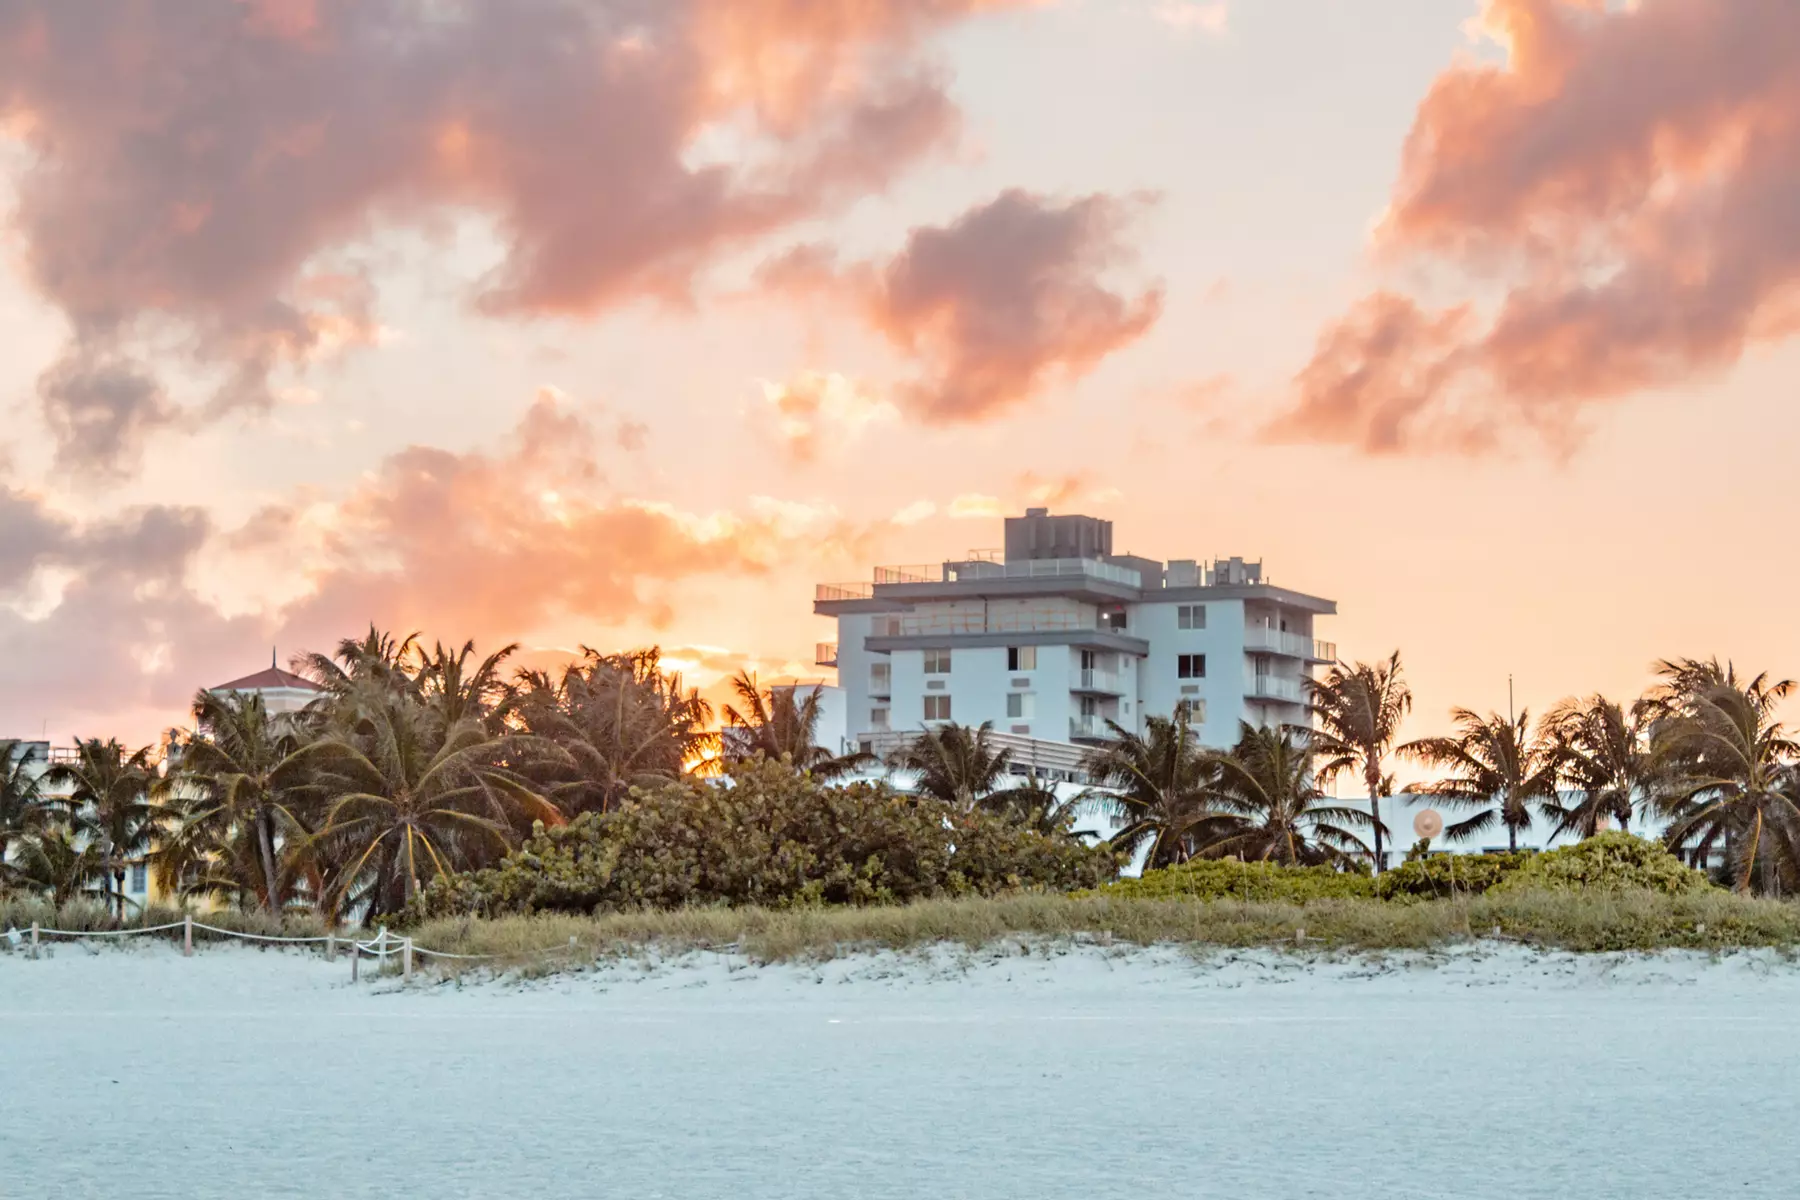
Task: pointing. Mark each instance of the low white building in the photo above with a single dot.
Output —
(1055, 636)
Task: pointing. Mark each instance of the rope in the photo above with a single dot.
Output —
(83, 933)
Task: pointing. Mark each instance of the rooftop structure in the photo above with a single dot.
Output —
(281, 691)
(1056, 638)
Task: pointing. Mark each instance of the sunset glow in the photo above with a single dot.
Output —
(594, 323)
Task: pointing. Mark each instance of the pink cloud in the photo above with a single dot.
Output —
(1627, 177)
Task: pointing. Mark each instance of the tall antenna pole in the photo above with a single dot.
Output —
(1509, 699)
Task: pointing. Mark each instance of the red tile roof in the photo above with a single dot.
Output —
(269, 677)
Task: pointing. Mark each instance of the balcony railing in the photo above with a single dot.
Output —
(1262, 639)
(1091, 728)
(1043, 568)
(1273, 687)
(825, 654)
(881, 683)
(843, 591)
(998, 620)
(1091, 680)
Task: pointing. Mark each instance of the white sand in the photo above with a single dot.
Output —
(1490, 1072)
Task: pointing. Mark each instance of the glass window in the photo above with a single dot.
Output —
(937, 662)
(878, 718)
(937, 708)
(139, 877)
(1190, 616)
(1195, 710)
(1021, 706)
(1021, 658)
(1191, 666)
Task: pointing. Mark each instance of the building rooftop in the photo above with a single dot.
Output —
(1071, 555)
(268, 679)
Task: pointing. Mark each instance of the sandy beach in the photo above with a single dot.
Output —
(1050, 1072)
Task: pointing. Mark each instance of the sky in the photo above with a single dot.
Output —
(623, 322)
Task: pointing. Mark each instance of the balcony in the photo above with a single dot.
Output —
(1090, 728)
(827, 592)
(1260, 639)
(1008, 620)
(1273, 687)
(825, 654)
(1104, 682)
(881, 683)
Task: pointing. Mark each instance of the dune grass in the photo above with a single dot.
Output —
(1556, 920)
(1577, 921)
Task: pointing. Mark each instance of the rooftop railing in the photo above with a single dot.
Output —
(825, 654)
(843, 591)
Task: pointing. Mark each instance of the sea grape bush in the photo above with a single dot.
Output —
(768, 835)
(1611, 861)
(1227, 879)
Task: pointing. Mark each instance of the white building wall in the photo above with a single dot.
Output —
(1222, 641)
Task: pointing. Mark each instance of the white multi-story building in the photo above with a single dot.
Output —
(1056, 636)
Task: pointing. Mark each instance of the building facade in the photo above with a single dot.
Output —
(1056, 638)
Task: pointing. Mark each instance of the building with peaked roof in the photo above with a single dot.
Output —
(281, 691)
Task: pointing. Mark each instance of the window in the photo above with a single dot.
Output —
(1195, 711)
(937, 662)
(1090, 707)
(1089, 660)
(880, 678)
(878, 718)
(1113, 620)
(886, 627)
(937, 708)
(1190, 616)
(139, 880)
(1191, 666)
(1021, 658)
(1021, 706)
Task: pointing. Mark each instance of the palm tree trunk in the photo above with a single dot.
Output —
(265, 845)
(1372, 777)
(119, 892)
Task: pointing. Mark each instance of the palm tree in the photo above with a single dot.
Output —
(1357, 714)
(108, 801)
(957, 764)
(1036, 805)
(57, 863)
(1604, 759)
(1496, 765)
(1731, 774)
(781, 723)
(1273, 808)
(409, 799)
(248, 775)
(620, 721)
(1159, 785)
(22, 804)
(454, 691)
(379, 658)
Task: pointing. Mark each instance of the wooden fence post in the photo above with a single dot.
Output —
(34, 939)
(187, 935)
(406, 959)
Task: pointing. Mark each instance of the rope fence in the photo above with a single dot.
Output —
(381, 947)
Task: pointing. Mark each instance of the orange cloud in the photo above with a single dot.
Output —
(1627, 177)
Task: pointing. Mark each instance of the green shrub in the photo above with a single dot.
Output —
(1223, 879)
(1612, 862)
(772, 837)
(1446, 876)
